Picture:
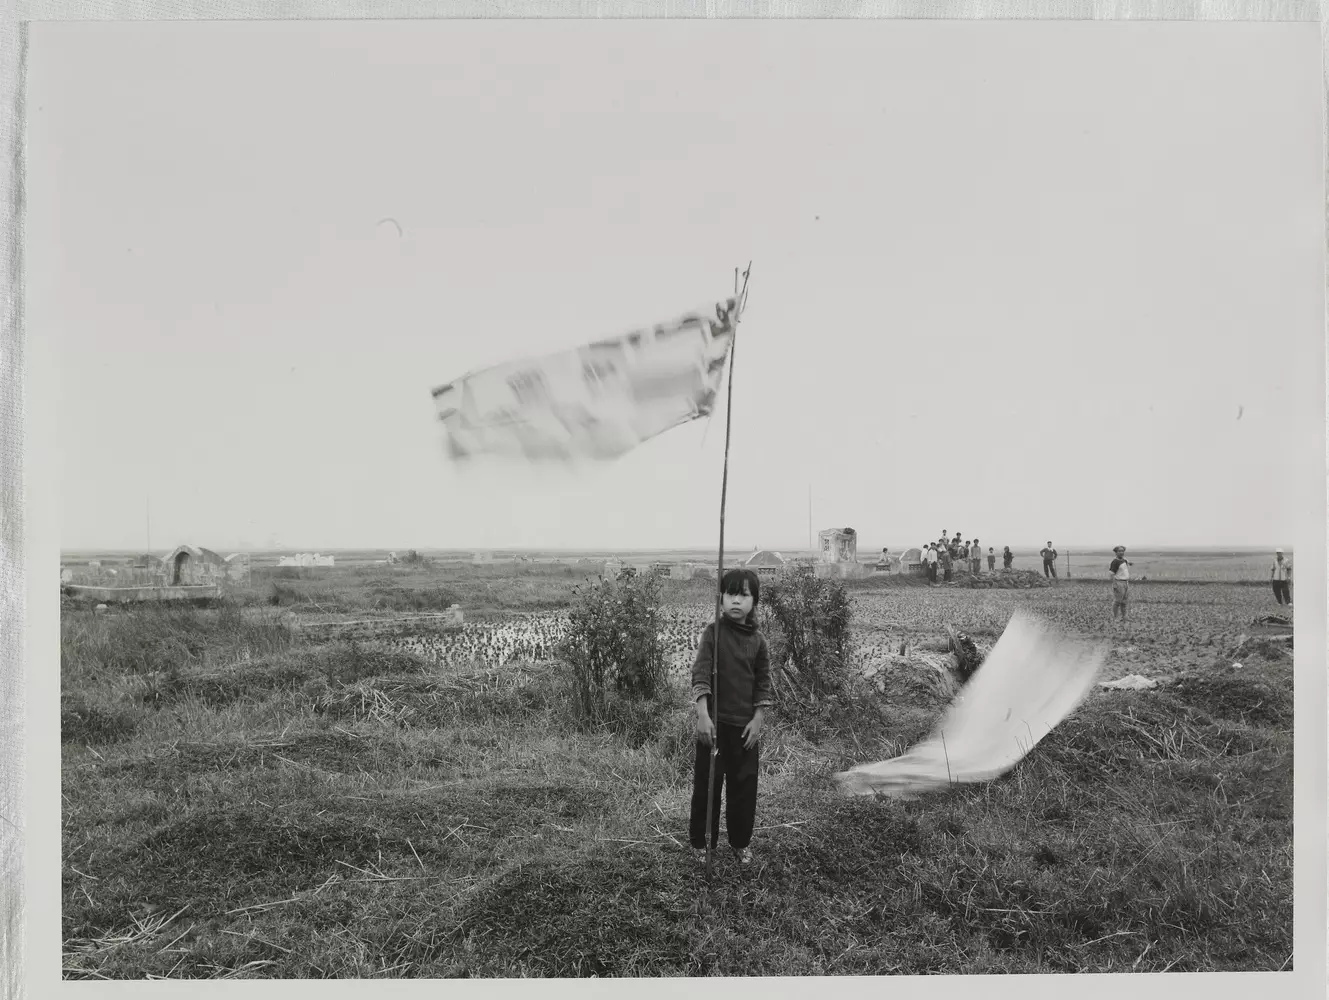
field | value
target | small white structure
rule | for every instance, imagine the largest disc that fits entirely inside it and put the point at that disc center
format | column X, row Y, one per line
column 837, row 554
column 765, row 562
column 188, row 565
column 836, row 545
column 306, row 560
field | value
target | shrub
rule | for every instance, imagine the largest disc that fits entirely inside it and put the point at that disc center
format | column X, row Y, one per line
column 810, row 644
column 612, row 644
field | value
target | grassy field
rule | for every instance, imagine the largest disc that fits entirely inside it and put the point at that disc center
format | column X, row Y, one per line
column 243, row 801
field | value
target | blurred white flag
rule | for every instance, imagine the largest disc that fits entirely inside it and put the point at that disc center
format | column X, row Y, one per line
column 1032, row 679
column 597, row 401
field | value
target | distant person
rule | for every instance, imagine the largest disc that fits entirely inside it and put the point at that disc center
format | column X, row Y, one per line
column 743, row 674
column 1120, row 571
column 976, row 558
column 1007, row 557
column 992, row 560
column 1049, row 555
column 946, row 563
column 1280, row 573
column 930, row 561
column 885, row 561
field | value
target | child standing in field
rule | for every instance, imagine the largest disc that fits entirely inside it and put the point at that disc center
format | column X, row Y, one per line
column 743, row 679
column 992, row 560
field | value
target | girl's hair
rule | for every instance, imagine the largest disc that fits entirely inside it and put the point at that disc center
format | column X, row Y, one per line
column 733, row 580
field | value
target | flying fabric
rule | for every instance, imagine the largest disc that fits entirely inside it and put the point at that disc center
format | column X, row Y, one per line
column 1030, row 682
column 598, row 401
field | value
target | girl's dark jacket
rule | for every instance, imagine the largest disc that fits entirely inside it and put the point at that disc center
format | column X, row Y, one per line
column 744, row 675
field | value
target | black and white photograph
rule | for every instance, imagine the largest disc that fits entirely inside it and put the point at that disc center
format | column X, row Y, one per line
column 675, row 499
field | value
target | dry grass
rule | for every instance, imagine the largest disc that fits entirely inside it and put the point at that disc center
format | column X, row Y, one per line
column 239, row 802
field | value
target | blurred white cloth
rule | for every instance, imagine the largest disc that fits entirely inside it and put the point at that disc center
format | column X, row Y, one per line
column 594, row 402
column 1033, row 678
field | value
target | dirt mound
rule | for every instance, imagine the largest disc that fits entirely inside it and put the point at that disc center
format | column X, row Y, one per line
column 1266, row 648
column 1013, row 579
column 1254, row 697
column 1272, row 620
column 924, row 679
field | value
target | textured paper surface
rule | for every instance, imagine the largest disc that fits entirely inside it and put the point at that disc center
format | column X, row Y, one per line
column 17, row 575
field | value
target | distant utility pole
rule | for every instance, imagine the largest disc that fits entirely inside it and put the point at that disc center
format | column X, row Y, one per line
column 1068, row 564
column 147, row 516
column 811, row 546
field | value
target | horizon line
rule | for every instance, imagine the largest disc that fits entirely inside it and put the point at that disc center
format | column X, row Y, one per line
column 1069, row 549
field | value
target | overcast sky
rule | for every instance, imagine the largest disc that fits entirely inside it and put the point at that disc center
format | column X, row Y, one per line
column 1019, row 280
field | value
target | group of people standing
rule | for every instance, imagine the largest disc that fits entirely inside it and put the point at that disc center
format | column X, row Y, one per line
column 945, row 552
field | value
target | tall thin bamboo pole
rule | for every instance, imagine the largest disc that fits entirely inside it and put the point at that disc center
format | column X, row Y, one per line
column 719, row 576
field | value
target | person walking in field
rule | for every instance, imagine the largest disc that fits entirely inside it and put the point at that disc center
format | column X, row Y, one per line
column 1280, row 573
column 930, row 562
column 1049, row 555
column 1120, row 571
column 1007, row 557
column 743, row 677
column 976, row 558
column 946, row 563
column 992, row 560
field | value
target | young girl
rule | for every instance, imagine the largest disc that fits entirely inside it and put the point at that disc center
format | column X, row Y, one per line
column 743, row 678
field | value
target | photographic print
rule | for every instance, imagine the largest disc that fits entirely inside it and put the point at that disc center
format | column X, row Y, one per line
column 657, row 499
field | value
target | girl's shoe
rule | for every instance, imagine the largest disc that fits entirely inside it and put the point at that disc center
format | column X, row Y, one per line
column 744, row 855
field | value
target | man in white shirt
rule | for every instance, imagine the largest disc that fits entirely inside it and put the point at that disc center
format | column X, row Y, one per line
column 1120, row 571
column 1049, row 555
column 1281, row 576
column 930, row 561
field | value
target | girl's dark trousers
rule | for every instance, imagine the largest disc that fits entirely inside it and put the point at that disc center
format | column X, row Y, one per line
column 736, row 771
